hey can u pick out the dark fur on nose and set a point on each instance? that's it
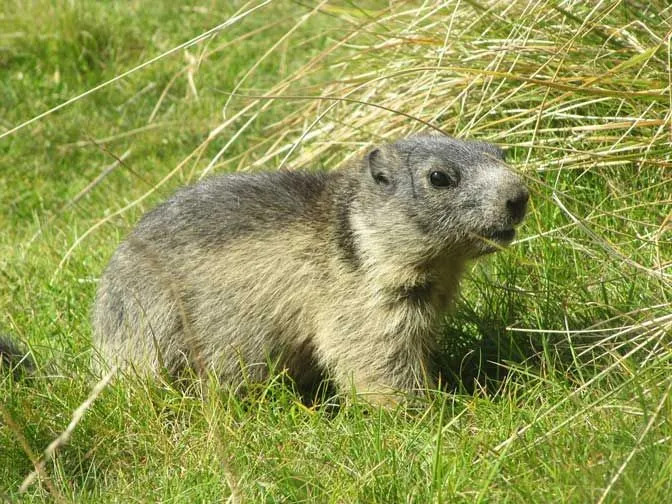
(516, 203)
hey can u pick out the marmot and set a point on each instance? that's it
(15, 358)
(342, 274)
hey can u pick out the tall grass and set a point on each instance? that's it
(556, 359)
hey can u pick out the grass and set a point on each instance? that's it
(557, 355)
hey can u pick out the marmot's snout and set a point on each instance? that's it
(504, 211)
(516, 203)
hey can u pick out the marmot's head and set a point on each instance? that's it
(443, 195)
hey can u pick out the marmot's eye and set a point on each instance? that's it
(441, 179)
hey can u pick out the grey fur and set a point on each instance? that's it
(342, 274)
(15, 358)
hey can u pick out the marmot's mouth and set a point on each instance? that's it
(502, 235)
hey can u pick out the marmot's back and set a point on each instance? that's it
(224, 208)
(344, 274)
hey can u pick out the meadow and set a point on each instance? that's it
(556, 360)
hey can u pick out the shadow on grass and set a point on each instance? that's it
(476, 350)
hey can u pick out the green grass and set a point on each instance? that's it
(556, 358)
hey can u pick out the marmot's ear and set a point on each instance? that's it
(496, 151)
(492, 150)
(379, 169)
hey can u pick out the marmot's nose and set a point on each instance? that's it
(516, 204)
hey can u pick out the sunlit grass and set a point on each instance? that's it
(556, 359)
